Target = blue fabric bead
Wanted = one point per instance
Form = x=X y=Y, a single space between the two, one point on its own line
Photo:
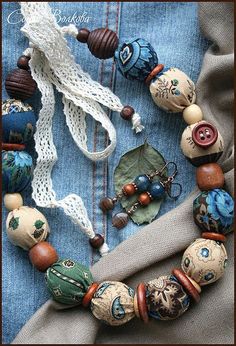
x=142 y=182
x=136 y=59
x=156 y=190
x=16 y=170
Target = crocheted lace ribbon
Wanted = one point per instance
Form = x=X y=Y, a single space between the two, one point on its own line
x=51 y=64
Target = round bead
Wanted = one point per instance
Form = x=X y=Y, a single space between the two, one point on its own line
x=97 y=241
x=106 y=204
x=26 y=227
x=23 y=62
x=13 y=147
x=120 y=220
x=89 y=294
x=166 y=298
x=17 y=169
x=187 y=284
x=142 y=182
x=43 y=255
x=214 y=211
x=18 y=121
x=192 y=114
x=68 y=281
x=172 y=90
x=142 y=303
x=144 y=198
x=13 y=201
x=127 y=113
x=210 y=176
x=204 y=134
x=129 y=189
x=156 y=190
x=204 y=261
x=214 y=236
x=20 y=85
x=197 y=155
x=83 y=35
x=113 y=303
x=136 y=59
x=102 y=42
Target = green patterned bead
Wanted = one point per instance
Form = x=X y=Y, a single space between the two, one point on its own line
x=68 y=281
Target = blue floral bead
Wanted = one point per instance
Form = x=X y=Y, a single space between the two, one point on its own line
x=16 y=170
x=214 y=211
x=142 y=183
x=156 y=190
x=136 y=59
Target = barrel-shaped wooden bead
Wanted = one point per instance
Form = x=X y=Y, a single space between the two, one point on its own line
x=20 y=84
x=43 y=255
x=120 y=220
x=106 y=204
x=210 y=176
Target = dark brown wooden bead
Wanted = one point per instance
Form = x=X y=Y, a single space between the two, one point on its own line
x=13 y=146
x=89 y=294
x=127 y=112
x=97 y=241
x=142 y=305
x=20 y=85
x=83 y=35
x=102 y=43
x=210 y=176
x=214 y=236
x=186 y=283
x=129 y=189
x=144 y=198
x=120 y=220
x=23 y=62
x=106 y=204
x=43 y=255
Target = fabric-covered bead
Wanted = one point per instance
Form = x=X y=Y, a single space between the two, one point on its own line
x=17 y=169
x=166 y=298
x=43 y=255
x=142 y=182
x=156 y=190
x=68 y=281
x=13 y=201
x=204 y=261
x=192 y=114
x=113 y=303
x=210 y=176
x=18 y=121
x=197 y=155
x=214 y=211
x=172 y=90
x=136 y=59
x=20 y=84
x=26 y=227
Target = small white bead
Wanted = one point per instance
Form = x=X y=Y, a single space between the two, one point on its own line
x=13 y=201
x=192 y=114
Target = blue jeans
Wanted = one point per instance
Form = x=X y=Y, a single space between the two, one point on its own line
x=172 y=29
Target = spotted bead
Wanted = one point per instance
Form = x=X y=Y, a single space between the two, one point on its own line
x=142 y=183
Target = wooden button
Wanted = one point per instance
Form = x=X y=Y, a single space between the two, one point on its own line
x=210 y=176
x=97 y=241
x=43 y=255
x=214 y=236
x=154 y=72
x=142 y=306
x=186 y=283
x=13 y=147
x=204 y=134
x=89 y=294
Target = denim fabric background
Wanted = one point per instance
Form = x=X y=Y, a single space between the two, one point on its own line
x=172 y=29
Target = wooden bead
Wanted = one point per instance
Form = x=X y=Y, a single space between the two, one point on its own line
x=89 y=294
x=127 y=113
x=144 y=198
x=120 y=220
x=43 y=255
x=214 y=236
x=154 y=72
x=83 y=35
x=97 y=241
x=13 y=201
x=186 y=283
x=106 y=204
x=195 y=284
x=210 y=176
x=136 y=311
x=128 y=189
x=192 y=114
x=13 y=147
x=23 y=62
x=141 y=299
x=20 y=85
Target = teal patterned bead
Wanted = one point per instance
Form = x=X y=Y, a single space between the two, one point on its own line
x=17 y=169
x=68 y=281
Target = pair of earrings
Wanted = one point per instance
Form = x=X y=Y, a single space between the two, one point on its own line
x=148 y=190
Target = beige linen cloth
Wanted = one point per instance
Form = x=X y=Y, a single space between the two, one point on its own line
x=158 y=247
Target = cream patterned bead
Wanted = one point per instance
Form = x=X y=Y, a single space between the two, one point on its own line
x=13 y=201
x=192 y=114
x=26 y=227
x=173 y=90
x=204 y=261
x=113 y=303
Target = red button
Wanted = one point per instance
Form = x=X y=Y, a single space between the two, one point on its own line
x=204 y=134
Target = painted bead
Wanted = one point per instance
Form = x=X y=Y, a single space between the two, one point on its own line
x=192 y=114
x=129 y=189
x=197 y=155
x=166 y=298
x=172 y=90
x=13 y=201
x=210 y=176
x=97 y=241
x=18 y=121
x=136 y=59
x=214 y=211
x=26 y=227
x=113 y=303
x=68 y=281
x=17 y=169
x=20 y=85
x=156 y=190
x=43 y=255
x=204 y=261
x=142 y=182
